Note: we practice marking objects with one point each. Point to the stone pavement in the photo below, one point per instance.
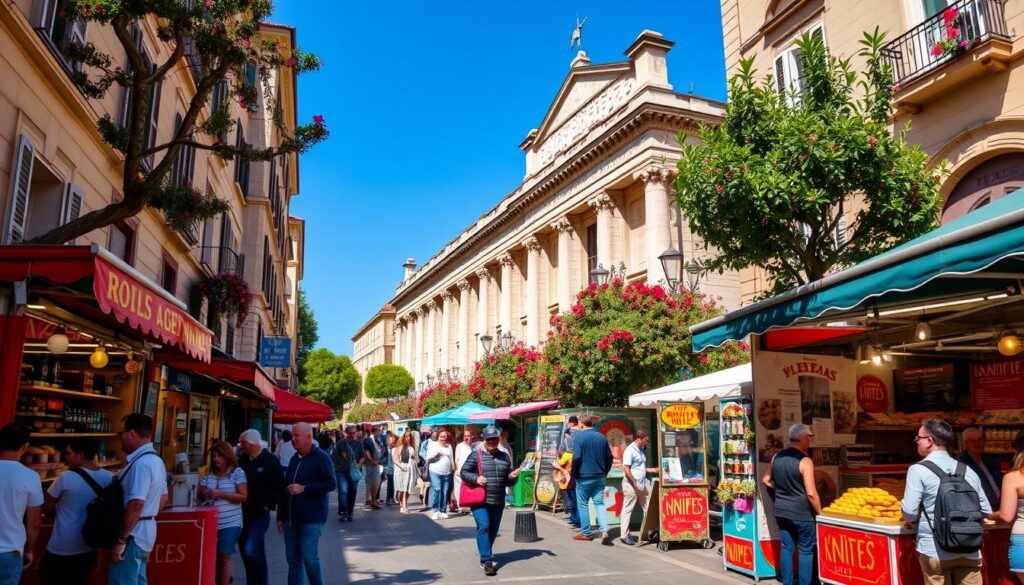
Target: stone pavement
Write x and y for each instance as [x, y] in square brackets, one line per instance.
[385, 547]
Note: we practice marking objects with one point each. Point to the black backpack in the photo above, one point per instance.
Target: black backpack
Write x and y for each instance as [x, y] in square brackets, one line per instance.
[105, 514]
[957, 514]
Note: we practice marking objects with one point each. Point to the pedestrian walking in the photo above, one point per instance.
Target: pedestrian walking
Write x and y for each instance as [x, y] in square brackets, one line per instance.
[939, 472]
[372, 468]
[462, 451]
[637, 486]
[303, 510]
[266, 482]
[226, 486]
[490, 468]
[406, 469]
[144, 481]
[21, 501]
[285, 450]
[591, 462]
[68, 560]
[347, 458]
[440, 461]
[1011, 507]
[389, 468]
[564, 465]
[424, 482]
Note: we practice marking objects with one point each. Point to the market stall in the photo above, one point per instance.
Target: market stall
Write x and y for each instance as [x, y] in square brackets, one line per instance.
[681, 491]
[926, 330]
[292, 408]
[458, 415]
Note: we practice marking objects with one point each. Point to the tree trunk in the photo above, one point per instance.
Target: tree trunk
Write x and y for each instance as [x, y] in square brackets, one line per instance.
[93, 220]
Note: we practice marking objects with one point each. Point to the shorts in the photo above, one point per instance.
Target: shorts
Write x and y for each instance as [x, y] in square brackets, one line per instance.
[1017, 553]
[227, 539]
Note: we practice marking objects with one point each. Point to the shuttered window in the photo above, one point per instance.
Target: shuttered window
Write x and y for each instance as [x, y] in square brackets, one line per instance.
[789, 69]
[17, 217]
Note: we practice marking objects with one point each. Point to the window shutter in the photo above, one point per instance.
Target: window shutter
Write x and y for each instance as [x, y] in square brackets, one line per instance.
[126, 94]
[17, 221]
[780, 73]
[154, 112]
[840, 235]
[72, 206]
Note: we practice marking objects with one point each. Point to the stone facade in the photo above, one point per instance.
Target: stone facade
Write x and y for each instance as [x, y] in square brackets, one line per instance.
[374, 344]
[597, 190]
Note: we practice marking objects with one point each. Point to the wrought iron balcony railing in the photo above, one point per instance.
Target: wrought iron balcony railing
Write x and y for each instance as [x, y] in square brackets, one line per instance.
[220, 259]
[944, 37]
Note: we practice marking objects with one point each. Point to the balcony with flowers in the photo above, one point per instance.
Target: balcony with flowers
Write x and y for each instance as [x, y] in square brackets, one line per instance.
[966, 40]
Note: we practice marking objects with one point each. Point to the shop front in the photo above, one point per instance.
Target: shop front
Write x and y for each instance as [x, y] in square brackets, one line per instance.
[926, 330]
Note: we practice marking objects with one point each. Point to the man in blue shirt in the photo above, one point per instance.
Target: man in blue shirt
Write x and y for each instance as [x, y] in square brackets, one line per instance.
[591, 462]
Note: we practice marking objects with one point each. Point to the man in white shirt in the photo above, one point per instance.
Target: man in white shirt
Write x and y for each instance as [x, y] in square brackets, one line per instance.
[636, 487]
[68, 559]
[285, 449]
[144, 478]
[21, 500]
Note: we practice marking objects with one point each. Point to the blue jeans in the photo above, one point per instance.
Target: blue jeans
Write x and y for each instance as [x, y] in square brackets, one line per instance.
[442, 487]
[11, 564]
[488, 519]
[346, 493]
[591, 488]
[302, 549]
[569, 498]
[797, 535]
[254, 553]
[131, 570]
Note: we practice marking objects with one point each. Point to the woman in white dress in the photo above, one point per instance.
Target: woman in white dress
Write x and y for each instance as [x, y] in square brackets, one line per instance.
[406, 461]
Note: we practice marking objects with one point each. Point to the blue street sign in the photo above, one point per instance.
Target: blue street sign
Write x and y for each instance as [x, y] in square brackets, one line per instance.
[276, 352]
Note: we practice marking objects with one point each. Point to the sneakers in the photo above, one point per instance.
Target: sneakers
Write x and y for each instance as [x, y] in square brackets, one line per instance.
[444, 515]
[489, 569]
[628, 540]
[435, 516]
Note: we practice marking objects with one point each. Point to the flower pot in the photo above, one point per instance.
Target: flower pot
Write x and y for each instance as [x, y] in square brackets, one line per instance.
[743, 504]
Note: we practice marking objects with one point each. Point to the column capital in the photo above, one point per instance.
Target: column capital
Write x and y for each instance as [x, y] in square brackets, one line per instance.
[506, 260]
[432, 305]
[447, 296]
[532, 244]
[400, 323]
[656, 175]
[483, 274]
[417, 312]
[601, 202]
[463, 285]
[562, 225]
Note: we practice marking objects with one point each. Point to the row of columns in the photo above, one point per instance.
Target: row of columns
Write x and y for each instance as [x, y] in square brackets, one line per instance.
[416, 332]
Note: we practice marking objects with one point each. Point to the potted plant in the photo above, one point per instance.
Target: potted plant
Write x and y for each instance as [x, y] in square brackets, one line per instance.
[228, 294]
[726, 492]
[744, 501]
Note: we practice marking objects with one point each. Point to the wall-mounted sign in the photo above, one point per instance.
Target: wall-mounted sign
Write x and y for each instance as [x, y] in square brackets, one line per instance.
[872, 394]
[996, 385]
[680, 416]
[276, 352]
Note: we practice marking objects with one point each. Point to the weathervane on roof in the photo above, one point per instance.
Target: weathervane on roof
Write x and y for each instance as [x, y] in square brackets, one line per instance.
[577, 33]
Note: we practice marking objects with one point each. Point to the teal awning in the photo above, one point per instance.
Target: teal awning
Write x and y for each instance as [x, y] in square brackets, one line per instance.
[979, 253]
[458, 415]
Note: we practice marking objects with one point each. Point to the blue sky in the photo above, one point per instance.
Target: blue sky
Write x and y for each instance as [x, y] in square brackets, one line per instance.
[427, 103]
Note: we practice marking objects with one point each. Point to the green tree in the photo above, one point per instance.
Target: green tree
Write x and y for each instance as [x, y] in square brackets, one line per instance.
[504, 378]
[309, 333]
[388, 381]
[219, 42]
[771, 185]
[331, 379]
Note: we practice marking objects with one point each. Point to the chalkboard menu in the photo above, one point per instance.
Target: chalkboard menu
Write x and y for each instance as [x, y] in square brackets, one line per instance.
[545, 488]
[925, 388]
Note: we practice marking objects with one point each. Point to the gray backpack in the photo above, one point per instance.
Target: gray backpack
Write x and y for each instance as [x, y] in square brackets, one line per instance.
[957, 516]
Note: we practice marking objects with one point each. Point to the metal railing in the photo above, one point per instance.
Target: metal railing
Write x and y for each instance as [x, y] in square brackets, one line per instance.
[928, 46]
[220, 259]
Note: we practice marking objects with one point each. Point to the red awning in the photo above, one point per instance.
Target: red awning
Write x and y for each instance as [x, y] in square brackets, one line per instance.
[507, 412]
[116, 288]
[234, 370]
[292, 408]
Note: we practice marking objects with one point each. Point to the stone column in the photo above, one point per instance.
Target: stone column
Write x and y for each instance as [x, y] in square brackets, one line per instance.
[483, 308]
[505, 304]
[602, 205]
[462, 335]
[658, 228]
[399, 345]
[429, 347]
[564, 271]
[446, 312]
[533, 318]
[410, 330]
[418, 350]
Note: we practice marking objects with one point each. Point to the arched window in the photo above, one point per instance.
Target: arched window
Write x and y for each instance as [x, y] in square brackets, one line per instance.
[991, 180]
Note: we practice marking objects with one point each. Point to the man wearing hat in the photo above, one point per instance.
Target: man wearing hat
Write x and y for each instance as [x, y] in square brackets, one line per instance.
[491, 469]
[790, 481]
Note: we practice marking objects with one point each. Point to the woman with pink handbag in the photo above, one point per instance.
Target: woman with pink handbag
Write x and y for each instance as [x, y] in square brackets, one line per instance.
[485, 475]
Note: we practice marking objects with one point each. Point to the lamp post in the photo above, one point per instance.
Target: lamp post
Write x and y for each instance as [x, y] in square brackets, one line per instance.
[672, 266]
[455, 374]
[693, 270]
[420, 386]
[507, 341]
[599, 275]
[486, 340]
[430, 380]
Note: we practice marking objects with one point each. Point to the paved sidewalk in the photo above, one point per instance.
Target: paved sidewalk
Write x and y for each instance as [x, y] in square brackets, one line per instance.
[385, 547]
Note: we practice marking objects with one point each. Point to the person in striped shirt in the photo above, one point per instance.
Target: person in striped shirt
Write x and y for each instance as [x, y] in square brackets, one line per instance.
[226, 486]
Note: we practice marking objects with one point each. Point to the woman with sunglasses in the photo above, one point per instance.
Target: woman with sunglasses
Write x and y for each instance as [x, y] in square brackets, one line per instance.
[226, 486]
[490, 468]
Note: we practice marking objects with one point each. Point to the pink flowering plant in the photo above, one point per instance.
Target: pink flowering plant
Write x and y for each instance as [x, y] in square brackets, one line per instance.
[185, 208]
[953, 41]
[227, 294]
[520, 374]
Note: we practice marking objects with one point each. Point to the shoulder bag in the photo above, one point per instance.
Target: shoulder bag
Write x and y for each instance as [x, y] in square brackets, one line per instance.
[354, 474]
[471, 495]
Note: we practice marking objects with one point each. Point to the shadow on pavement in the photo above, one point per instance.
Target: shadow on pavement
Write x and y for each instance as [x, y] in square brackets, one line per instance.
[403, 531]
[522, 554]
[408, 577]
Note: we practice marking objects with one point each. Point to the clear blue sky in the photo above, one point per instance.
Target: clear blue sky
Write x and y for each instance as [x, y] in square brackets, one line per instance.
[427, 103]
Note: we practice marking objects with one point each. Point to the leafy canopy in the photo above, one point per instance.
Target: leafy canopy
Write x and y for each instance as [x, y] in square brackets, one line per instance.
[770, 186]
[330, 378]
[388, 381]
[216, 40]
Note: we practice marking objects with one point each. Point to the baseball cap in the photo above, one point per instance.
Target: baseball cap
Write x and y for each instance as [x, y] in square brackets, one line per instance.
[491, 432]
[797, 431]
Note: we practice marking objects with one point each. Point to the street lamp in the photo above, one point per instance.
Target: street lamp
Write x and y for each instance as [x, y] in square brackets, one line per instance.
[420, 386]
[672, 266]
[430, 380]
[455, 373]
[507, 341]
[693, 270]
[486, 340]
[599, 275]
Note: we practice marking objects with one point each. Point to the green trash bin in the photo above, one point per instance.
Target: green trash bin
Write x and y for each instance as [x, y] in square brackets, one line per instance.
[523, 490]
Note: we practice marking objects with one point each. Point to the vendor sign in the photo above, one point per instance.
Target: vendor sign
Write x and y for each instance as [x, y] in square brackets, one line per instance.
[681, 416]
[996, 385]
[853, 556]
[684, 513]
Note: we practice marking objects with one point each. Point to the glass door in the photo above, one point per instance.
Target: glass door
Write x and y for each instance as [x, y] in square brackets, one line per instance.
[198, 430]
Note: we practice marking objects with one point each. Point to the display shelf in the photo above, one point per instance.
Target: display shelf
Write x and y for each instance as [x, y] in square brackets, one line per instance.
[59, 435]
[65, 469]
[39, 415]
[48, 391]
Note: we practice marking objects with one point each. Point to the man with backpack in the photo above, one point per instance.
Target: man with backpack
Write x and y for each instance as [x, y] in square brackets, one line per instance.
[144, 483]
[946, 499]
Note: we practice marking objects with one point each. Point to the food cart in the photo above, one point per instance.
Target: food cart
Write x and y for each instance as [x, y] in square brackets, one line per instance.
[682, 486]
[928, 329]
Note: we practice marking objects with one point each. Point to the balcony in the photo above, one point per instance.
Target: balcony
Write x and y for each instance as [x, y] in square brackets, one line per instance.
[217, 259]
[967, 40]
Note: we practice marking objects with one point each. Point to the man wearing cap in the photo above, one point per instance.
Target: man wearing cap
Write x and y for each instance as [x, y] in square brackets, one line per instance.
[490, 468]
[791, 482]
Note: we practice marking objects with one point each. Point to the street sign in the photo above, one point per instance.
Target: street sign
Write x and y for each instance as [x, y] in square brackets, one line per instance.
[276, 352]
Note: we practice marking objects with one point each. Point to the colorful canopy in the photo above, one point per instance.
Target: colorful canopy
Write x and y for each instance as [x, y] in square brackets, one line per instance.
[459, 415]
[974, 255]
[507, 412]
[292, 408]
[720, 384]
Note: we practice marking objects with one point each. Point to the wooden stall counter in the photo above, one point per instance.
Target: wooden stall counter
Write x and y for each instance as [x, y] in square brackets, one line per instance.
[185, 550]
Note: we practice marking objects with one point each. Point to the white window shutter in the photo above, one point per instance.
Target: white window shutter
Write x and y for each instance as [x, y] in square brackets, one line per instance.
[71, 208]
[17, 220]
[840, 235]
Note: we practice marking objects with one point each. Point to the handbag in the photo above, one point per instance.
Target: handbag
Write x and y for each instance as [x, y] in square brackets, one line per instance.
[354, 474]
[474, 496]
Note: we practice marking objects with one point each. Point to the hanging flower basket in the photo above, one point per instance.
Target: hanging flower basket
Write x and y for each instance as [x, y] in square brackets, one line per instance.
[184, 208]
[227, 294]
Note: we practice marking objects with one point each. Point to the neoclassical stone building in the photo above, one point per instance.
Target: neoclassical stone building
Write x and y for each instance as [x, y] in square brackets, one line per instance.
[597, 191]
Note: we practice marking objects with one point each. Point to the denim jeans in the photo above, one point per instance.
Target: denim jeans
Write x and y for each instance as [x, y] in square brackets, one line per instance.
[797, 535]
[488, 519]
[569, 499]
[10, 568]
[131, 570]
[441, 485]
[591, 488]
[302, 549]
[346, 493]
[254, 554]
[390, 478]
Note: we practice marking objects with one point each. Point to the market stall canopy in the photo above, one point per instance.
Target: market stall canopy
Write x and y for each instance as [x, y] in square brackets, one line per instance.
[235, 370]
[292, 408]
[459, 415]
[721, 384]
[86, 278]
[977, 255]
[507, 412]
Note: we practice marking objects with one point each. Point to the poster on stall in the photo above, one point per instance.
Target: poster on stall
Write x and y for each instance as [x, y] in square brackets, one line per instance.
[996, 385]
[545, 486]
